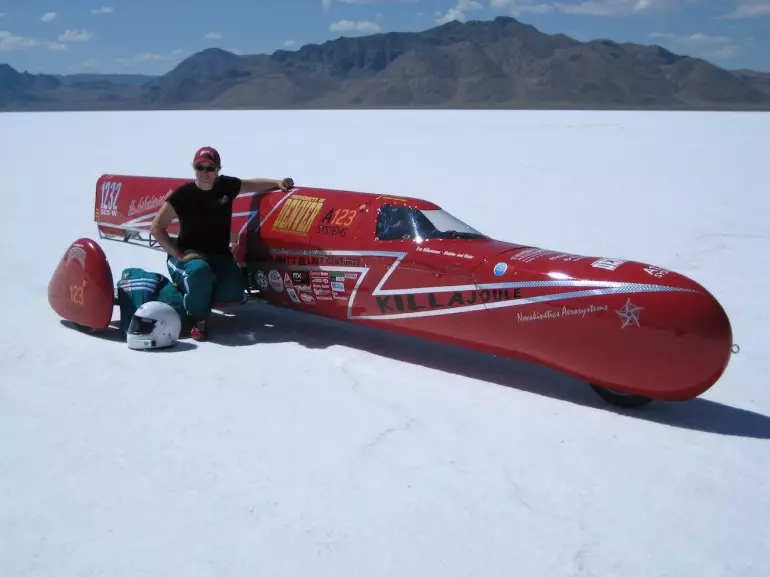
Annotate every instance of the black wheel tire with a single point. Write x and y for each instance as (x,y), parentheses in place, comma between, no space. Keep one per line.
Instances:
(620,399)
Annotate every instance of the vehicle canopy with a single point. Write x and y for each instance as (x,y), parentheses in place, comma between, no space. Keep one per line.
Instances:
(403,218)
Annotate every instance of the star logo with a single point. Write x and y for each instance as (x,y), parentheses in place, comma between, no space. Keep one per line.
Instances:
(629,314)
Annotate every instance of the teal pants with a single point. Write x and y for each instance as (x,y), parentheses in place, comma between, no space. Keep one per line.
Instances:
(218,278)
(137,286)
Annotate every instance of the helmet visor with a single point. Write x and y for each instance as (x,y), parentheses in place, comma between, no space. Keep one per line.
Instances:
(141,325)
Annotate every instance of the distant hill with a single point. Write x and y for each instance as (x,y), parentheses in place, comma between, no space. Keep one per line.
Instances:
(502,63)
(114,78)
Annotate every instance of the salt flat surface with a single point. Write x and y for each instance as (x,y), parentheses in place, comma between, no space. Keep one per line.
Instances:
(298,447)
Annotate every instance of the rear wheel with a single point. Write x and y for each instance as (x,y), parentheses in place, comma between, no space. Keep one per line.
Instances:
(621,399)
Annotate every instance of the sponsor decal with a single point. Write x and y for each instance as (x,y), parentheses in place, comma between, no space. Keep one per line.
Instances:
(607,263)
(261,279)
(147,204)
(311,260)
(297,214)
(655,271)
(445,252)
(457,254)
(339,217)
(532,254)
(292,294)
(275,280)
(338,286)
(500,269)
(300,277)
(307,298)
(558,314)
(400,303)
(336,221)
(629,314)
(77,253)
(327,230)
(77,291)
(323,292)
(110,193)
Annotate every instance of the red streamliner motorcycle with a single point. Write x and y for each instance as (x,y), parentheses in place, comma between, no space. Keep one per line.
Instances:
(634,331)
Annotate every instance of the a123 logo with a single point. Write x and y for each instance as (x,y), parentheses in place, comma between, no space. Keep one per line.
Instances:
(110,194)
(655,271)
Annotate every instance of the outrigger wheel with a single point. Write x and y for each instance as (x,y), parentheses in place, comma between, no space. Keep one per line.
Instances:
(621,399)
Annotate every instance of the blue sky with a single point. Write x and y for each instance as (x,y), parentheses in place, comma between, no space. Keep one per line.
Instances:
(152,36)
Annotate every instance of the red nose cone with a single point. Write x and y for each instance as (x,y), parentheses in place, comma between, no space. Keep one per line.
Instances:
(80,289)
(671,345)
(621,325)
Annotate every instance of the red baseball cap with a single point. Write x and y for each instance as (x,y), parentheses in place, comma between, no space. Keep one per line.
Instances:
(209,155)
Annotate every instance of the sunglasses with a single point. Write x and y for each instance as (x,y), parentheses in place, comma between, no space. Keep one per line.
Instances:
(205,167)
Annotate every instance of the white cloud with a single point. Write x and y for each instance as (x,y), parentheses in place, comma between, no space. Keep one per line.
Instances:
(48,16)
(364,26)
(516,6)
(290,44)
(146,57)
(457,12)
(103,10)
(212,36)
(74,36)
(613,7)
(10,42)
(724,53)
(326,4)
(749,9)
(696,39)
(699,44)
(743,8)
(585,7)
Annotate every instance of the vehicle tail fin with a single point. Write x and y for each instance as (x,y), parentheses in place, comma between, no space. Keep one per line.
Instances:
(125,205)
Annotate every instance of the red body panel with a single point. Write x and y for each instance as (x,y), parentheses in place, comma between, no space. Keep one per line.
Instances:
(620,324)
(80,289)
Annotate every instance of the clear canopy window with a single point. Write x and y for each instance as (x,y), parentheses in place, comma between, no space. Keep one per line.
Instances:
(405,223)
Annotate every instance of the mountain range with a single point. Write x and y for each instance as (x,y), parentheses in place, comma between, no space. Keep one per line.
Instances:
(500,63)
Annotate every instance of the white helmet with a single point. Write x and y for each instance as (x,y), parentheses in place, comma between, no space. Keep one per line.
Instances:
(154,325)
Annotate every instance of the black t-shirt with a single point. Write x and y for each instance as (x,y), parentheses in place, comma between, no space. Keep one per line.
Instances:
(205,216)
